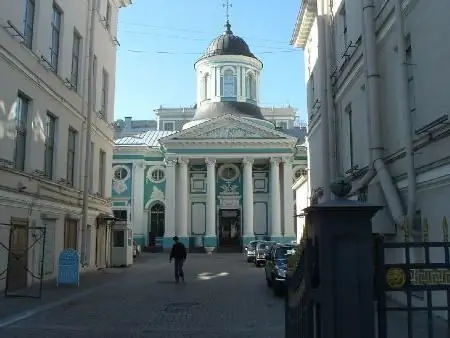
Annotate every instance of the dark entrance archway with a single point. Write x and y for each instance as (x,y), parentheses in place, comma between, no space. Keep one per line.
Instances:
(156,222)
(230,230)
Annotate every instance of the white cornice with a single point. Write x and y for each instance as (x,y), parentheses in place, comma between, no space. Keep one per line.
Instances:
(305,20)
(223,59)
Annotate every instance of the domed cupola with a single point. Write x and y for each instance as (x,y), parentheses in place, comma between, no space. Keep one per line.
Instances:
(228,77)
(228,44)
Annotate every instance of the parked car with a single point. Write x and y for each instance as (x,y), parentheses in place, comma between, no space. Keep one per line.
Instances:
(250,251)
(261,251)
(276,267)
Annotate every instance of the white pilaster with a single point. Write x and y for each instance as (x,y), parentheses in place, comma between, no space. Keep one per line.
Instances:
(275,205)
(138,175)
(288,197)
(182,228)
(248,197)
(169,216)
(211,198)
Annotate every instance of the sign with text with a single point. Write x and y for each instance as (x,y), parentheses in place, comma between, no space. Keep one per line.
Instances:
(417,276)
(68,268)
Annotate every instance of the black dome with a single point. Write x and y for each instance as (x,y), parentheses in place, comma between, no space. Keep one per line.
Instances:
(215,109)
(228,44)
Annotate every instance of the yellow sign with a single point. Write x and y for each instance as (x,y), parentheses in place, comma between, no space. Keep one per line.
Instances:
(395,278)
(428,277)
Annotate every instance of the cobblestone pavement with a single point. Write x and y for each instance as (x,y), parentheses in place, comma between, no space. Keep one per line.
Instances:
(223,297)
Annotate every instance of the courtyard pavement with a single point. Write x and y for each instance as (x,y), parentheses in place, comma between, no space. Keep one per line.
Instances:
(223,296)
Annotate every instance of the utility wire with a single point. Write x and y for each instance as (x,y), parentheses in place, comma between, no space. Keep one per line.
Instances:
(137,51)
(191,31)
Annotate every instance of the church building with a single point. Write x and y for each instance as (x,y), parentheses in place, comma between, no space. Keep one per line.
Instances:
(226,177)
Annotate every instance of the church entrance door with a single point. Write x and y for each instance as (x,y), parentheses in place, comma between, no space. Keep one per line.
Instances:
(156,220)
(230,228)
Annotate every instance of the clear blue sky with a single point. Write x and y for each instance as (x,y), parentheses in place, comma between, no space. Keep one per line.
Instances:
(161,39)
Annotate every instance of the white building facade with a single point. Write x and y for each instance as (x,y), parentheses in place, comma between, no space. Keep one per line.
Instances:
(44,58)
(378,112)
(225,178)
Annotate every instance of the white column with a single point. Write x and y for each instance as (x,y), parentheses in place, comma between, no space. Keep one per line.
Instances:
(248,197)
(211,198)
(182,228)
(138,198)
(288,197)
(275,205)
(169,217)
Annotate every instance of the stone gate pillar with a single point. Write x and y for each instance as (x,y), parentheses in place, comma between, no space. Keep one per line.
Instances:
(342,234)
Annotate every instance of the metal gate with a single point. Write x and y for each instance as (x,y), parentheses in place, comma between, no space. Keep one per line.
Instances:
(25,255)
(300,308)
(413,297)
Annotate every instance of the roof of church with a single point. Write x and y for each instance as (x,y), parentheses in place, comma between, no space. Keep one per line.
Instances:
(228,44)
(149,138)
(215,109)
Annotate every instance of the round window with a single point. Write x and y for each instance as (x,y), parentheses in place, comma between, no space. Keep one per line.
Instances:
(157,175)
(120,174)
(228,173)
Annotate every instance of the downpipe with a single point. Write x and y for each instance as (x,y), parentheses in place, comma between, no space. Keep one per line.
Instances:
(404,109)
(324,120)
(372,82)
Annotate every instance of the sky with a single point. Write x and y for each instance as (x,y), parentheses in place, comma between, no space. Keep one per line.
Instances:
(161,39)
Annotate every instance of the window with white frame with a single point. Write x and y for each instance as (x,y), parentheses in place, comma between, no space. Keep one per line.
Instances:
(71,151)
(349,113)
(168,126)
(101,172)
(22,111)
(91,168)
(94,83)
(157,175)
(49,155)
(105,94)
(282,124)
(56,37)
(228,86)
(30,10)
(76,50)
(250,86)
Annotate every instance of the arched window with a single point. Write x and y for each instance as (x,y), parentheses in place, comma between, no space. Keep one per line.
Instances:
(206,87)
(250,86)
(228,86)
(156,220)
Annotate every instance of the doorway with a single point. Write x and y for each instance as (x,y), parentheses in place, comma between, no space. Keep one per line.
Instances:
(18,256)
(157,225)
(230,228)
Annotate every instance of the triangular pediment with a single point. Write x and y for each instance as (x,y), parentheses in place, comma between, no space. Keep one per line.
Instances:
(228,127)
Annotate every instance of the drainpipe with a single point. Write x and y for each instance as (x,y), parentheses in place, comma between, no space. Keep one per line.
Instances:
(372,82)
(403,108)
(324,120)
(87,160)
(330,100)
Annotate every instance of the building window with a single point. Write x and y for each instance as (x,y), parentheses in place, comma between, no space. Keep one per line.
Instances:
(71,234)
(108,16)
(410,67)
(94,83)
(91,168)
(101,172)
(120,174)
(281,124)
(121,215)
(157,175)
(50,145)
(29,23)
(22,107)
(76,50)
(71,149)
(250,86)
(56,37)
(348,111)
(168,126)
(105,90)
(343,17)
(229,84)
(206,87)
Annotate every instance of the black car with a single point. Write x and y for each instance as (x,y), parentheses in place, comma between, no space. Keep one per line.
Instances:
(276,267)
(262,248)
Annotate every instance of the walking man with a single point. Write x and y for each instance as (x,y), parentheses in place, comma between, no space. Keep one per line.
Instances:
(179,254)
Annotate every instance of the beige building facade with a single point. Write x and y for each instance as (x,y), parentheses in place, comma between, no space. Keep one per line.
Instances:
(44,59)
